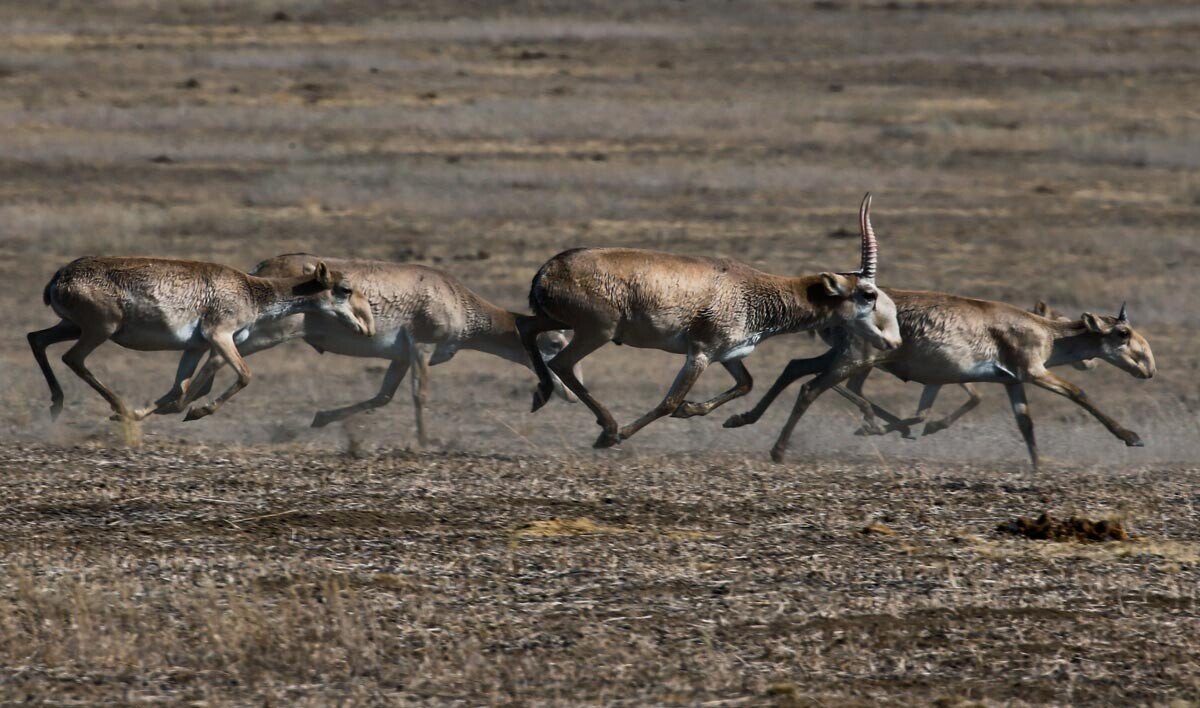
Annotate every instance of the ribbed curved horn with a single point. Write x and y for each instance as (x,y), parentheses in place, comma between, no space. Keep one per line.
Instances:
(870,250)
(1123,317)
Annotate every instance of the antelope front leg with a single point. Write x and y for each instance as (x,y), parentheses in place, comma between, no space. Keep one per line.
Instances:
(929,394)
(1020,408)
(1062,387)
(743,383)
(973,400)
(810,392)
(420,390)
(795,369)
(223,345)
(201,383)
(172,401)
(853,392)
(692,368)
(391,381)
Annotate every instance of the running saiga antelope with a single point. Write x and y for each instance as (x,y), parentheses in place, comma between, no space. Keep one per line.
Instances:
(423,316)
(949,339)
(929,394)
(154,304)
(712,310)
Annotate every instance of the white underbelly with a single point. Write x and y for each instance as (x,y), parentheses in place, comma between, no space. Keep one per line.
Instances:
(944,373)
(740,350)
(989,371)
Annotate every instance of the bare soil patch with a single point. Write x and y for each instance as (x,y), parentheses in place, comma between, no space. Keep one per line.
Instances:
(170,574)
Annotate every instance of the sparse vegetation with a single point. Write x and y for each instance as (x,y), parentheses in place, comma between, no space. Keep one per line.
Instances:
(167,573)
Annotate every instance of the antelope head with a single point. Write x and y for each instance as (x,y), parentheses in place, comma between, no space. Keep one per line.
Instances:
(857,304)
(549,345)
(1120,345)
(337,298)
(1044,310)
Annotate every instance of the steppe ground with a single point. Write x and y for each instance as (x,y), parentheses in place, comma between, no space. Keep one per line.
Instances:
(1017,151)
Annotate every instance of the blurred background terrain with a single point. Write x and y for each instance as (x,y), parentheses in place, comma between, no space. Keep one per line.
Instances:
(1017,151)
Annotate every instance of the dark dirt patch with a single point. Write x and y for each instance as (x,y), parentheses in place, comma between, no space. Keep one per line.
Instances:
(335,519)
(1074,528)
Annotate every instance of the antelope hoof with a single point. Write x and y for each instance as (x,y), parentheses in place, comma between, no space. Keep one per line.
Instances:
(321,419)
(165,408)
(56,409)
(935,426)
(687,409)
(122,416)
(607,439)
(1132,440)
(778,454)
(736,420)
(540,398)
(144,413)
(873,429)
(169,397)
(198,412)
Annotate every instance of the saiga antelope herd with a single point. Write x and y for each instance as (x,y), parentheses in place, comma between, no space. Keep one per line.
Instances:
(710,310)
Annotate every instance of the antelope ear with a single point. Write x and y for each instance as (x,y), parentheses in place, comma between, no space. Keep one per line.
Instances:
(323,276)
(1095,324)
(834,285)
(1041,308)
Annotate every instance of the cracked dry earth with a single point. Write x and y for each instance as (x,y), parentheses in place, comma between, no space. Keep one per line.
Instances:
(295,577)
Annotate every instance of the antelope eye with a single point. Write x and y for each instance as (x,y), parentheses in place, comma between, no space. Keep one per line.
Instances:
(1123,332)
(341,290)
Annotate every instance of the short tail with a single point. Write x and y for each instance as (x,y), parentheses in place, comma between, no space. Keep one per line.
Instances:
(48,291)
(537,289)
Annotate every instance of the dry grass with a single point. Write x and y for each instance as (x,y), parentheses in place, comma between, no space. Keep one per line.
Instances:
(1018,151)
(169,574)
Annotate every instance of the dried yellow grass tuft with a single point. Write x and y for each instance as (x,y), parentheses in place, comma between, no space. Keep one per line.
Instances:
(580,526)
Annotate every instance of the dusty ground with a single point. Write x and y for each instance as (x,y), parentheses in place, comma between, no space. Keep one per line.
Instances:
(1017,151)
(183,574)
